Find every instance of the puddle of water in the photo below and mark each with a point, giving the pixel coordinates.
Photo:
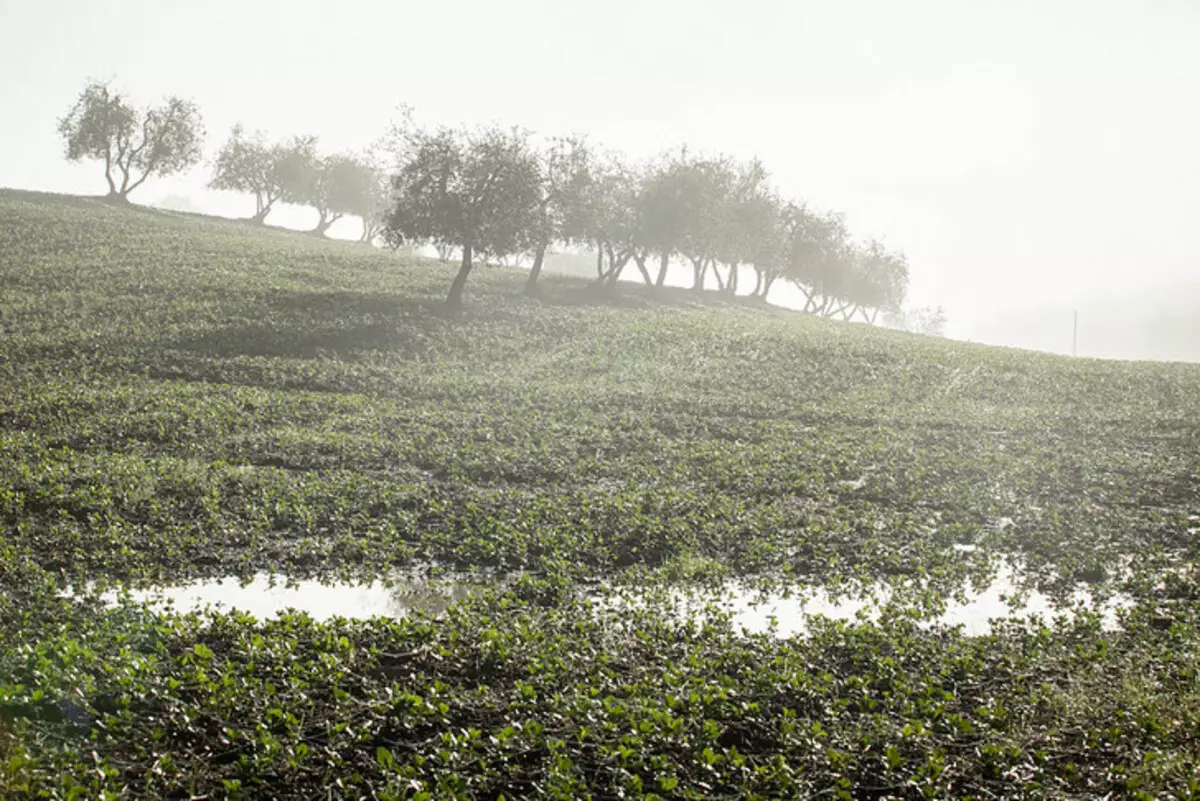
(263, 597)
(793, 615)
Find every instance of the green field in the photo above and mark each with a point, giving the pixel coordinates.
(185, 397)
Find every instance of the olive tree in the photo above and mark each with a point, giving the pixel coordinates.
(249, 164)
(612, 217)
(568, 183)
(133, 143)
(477, 189)
(879, 282)
(347, 185)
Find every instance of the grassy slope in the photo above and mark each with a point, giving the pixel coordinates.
(194, 391)
(185, 396)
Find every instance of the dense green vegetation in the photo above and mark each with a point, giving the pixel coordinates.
(185, 397)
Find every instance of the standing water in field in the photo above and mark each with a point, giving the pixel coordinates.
(785, 613)
(265, 596)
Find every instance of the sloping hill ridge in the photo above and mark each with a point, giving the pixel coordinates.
(170, 343)
(184, 397)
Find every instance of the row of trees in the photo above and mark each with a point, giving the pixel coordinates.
(135, 144)
(294, 171)
(492, 192)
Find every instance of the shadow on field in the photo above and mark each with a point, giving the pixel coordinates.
(638, 296)
(308, 324)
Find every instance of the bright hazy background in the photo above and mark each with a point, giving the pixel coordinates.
(1031, 157)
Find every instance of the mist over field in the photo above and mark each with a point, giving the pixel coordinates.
(1026, 158)
(626, 400)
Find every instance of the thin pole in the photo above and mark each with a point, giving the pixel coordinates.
(1075, 333)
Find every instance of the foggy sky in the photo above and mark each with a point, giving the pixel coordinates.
(1020, 153)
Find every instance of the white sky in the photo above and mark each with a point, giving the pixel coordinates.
(1018, 151)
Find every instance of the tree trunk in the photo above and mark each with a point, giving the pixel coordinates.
(731, 286)
(698, 267)
(663, 259)
(758, 281)
(600, 260)
(112, 185)
(539, 256)
(325, 223)
(616, 266)
(874, 314)
(640, 258)
(767, 286)
(454, 299)
(717, 273)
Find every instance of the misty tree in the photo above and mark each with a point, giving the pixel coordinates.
(879, 282)
(765, 245)
(663, 212)
(335, 186)
(746, 223)
(134, 144)
(348, 185)
(249, 164)
(818, 256)
(612, 223)
(705, 186)
(564, 209)
(375, 203)
(478, 189)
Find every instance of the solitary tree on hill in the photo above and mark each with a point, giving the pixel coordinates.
(477, 189)
(134, 144)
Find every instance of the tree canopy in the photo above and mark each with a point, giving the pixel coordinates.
(133, 143)
(250, 164)
(477, 189)
(492, 193)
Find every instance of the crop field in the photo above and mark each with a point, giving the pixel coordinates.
(186, 398)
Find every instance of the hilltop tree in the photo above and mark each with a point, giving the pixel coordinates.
(335, 186)
(879, 281)
(663, 211)
(347, 185)
(612, 223)
(568, 181)
(766, 240)
(373, 204)
(705, 186)
(480, 190)
(747, 222)
(817, 256)
(248, 164)
(134, 144)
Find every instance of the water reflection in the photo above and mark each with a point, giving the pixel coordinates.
(791, 614)
(787, 614)
(266, 596)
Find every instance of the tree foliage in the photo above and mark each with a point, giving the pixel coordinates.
(480, 190)
(133, 143)
(250, 164)
(568, 189)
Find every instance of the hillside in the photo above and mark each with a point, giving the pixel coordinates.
(185, 397)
